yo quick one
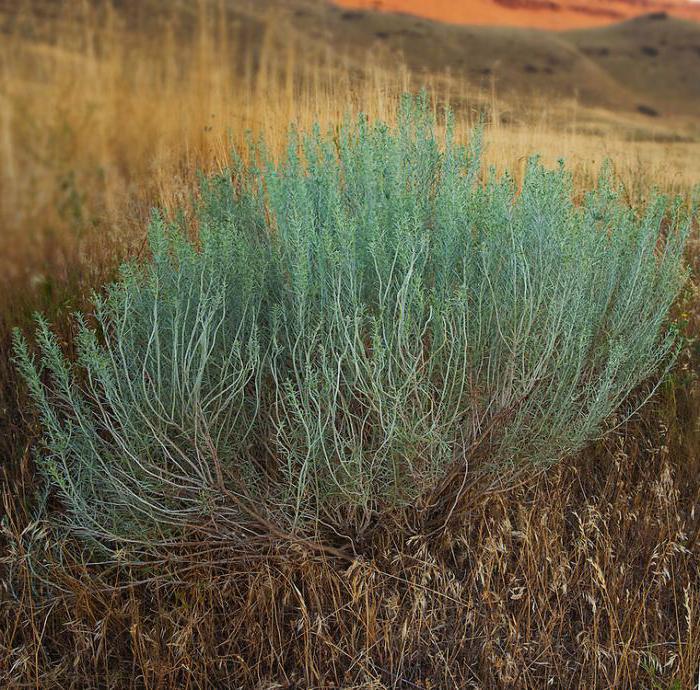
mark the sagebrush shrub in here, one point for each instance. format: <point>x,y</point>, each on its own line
<point>368,324</point>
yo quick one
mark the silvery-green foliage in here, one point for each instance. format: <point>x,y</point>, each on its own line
<point>349,325</point>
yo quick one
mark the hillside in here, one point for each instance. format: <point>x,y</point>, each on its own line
<point>643,68</point>
<point>655,60</point>
<point>637,76</point>
<point>544,14</point>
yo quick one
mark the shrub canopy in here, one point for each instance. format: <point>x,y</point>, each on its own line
<point>369,324</point>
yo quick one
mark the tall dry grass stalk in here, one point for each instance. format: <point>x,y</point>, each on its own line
<point>104,116</point>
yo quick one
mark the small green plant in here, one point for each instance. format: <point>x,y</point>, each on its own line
<point>366,326</point>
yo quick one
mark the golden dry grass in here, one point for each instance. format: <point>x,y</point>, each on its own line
<point>103,116</point>
<point>587,577</point>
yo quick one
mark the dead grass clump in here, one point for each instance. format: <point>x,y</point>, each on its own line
<point>578,581</point>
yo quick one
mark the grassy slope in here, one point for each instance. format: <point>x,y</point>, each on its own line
<point>644,61</point>
<point>656,60</point>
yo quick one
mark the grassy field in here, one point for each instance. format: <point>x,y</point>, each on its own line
<point>585,576</point>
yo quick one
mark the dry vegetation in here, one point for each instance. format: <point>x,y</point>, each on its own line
<point>583,577</point>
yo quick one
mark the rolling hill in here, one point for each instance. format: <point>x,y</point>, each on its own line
<point>638,75</point>
<point>645,67</point>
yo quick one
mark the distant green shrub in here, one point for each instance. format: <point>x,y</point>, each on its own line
<point>349,326</point>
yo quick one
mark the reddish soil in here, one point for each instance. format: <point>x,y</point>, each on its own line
<point>544,14</point>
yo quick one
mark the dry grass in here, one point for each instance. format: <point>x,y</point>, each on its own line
<point>587,577</point>
<point>104,114</point>
<point>584,579</point>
